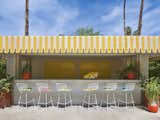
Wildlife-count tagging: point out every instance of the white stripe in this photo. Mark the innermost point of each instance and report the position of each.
(15, 42)
(3, 42)
(111, 42)
(32, 42)
(20, 42)
(145, 43)
(100, 42)
(65, 42)
(54, 42)
(140, 42)
(117, 41)
(9, 42)
(89, 43)
(123, 42)
(72, 42)
(26, 43)
(156, 42)
(134, 42)
(128, 42)
(83, 42)
(43, 42)
(94, 42)
(151, 42)
(77, 42)
(37, 43)
(49, 43)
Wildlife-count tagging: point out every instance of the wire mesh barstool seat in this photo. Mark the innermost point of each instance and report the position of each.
(109, 97)
(64, 95)
(24, 91)
(44, 90)
(126, 91)
(90, 95)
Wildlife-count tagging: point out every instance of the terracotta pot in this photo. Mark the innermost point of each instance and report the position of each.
(26, 76)
(131, 76)
(5, 99)
(153, 108)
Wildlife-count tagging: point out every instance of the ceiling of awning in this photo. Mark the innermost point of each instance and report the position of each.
(80, 44)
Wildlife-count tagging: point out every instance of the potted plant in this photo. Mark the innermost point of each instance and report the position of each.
(26, 71)
(5, 91)
(151, 89)
(129, 72)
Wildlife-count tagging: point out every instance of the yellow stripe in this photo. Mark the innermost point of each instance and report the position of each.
(103, 44)
(12, 44)
(18, 43)
(29, 44)
(0, 43)
(63, 44)
(92, 44)
(97, 44)
(6, 44)
(52, 43)
(80, 44)
(159, 43)
(23, 44)
(137, 43)
(57, 44)
(154, 44)
(109, 44)
(34, 44)
(143, 43)
(69, 44)
(126, 44)
(40, 44)
(131, 44)
(114, 44)
(86, 44)
(46, 44)
(149, 43)
(74, 45)
(120, 44)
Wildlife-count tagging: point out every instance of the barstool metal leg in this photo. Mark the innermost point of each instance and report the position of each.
(65, 100)
(70, 99)
(46, 99)
(26, 97)
(107, 101)
(19, 100)
(39, 98)
(89, 100)
(126, 99)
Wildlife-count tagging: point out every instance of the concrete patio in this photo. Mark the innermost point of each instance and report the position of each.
(76, 113)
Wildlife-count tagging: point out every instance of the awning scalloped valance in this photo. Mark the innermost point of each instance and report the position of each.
(80, 44)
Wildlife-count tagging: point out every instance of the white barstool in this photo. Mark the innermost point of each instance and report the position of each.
(109, 92)
(126, 92)
(24, 91)
(90, 96)
(44, 90)
(64, 94)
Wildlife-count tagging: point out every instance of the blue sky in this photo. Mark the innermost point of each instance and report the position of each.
(54, 17)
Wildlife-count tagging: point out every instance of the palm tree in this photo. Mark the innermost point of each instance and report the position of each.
(124, 16)
(27, 18)
(140, 18)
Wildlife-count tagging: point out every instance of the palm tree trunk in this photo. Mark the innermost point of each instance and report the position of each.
(124, 16)
(27, 18)
(140, 18)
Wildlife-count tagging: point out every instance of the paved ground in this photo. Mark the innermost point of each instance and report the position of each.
(76, 113)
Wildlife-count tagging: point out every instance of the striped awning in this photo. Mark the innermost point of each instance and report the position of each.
(80, 44)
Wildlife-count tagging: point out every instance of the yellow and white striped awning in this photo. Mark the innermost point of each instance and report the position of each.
(80, 44)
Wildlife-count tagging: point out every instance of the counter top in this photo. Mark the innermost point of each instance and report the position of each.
(74, 80)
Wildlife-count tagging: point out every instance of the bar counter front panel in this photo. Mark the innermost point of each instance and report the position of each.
(77, 86)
